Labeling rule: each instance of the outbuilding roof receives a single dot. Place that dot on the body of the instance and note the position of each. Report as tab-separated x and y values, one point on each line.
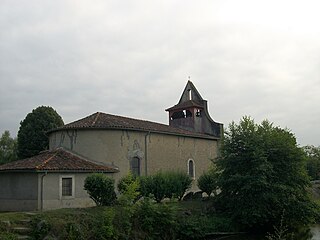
58	160
101	120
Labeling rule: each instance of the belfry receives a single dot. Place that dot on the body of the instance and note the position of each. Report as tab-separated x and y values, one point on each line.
191	113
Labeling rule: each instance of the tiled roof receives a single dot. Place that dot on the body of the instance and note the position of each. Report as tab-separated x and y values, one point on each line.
186	104
58	160
101	120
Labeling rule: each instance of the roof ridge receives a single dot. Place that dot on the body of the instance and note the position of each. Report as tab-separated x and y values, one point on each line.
96	118
101	120
46	161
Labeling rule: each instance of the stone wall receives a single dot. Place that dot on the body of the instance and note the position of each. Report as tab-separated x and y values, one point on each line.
156	151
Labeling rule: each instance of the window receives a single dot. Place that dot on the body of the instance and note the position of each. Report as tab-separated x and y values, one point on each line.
198	113
191	168
66	187
135	166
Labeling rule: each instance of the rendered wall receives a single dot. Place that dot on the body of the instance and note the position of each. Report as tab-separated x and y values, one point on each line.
52	198
18	191
118	147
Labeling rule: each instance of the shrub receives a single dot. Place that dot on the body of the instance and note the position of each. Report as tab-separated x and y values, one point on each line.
165	184
159	186
154	221
104	228
197	226
146	185
8	236
129	187
40	228
154	186
207	182
122	221
100	189
179	183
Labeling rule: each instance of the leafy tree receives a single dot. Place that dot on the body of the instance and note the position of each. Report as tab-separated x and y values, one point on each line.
263	176
129	187
208	181
169	184
8	148
313	161
177	183
100	189
159	187
146	185
32	137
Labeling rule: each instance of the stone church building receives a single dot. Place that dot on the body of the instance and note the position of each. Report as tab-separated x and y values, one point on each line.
114	145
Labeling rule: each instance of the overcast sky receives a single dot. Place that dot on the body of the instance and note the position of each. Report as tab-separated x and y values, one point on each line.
133	58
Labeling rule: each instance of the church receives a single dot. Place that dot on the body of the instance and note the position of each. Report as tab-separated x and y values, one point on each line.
113	145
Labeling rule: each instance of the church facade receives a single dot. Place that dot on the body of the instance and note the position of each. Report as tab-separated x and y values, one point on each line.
113	145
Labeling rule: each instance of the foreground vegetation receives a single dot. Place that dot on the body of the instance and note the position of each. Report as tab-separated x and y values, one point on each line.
142	220
263	178
258	183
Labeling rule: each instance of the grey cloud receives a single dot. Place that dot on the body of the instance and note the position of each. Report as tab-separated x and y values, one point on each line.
133	59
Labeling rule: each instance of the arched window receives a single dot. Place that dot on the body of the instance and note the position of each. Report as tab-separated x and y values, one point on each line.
191	168
135	166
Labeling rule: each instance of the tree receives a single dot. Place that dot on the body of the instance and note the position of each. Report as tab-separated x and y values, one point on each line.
313	161
129	188
8	148
207	182
169	184
177	183
32	137
100	189
263	176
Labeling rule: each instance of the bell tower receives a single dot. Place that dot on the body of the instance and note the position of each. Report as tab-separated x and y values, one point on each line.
191	113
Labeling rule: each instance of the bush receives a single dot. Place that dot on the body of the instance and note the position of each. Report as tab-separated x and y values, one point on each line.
154	221
100	189
40	228
165	185
8	236
154	186
159	186
207	182
129	188
146	185
104	228
177	183
197	226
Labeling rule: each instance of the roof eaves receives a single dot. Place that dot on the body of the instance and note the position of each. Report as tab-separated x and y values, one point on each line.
144	130
58	171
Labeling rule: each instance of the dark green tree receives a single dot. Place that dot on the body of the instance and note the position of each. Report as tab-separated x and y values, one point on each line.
32	138
313	161
263	176
168	184
100	189
8	148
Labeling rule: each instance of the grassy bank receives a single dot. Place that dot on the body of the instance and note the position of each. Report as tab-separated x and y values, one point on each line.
143	220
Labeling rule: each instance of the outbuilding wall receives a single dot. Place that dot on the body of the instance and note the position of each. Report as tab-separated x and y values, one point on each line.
18	191
52	198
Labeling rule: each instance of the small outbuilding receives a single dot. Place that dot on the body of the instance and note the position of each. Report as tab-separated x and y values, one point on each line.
53	179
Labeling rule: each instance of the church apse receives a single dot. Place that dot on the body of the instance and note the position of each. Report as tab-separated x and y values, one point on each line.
191	113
